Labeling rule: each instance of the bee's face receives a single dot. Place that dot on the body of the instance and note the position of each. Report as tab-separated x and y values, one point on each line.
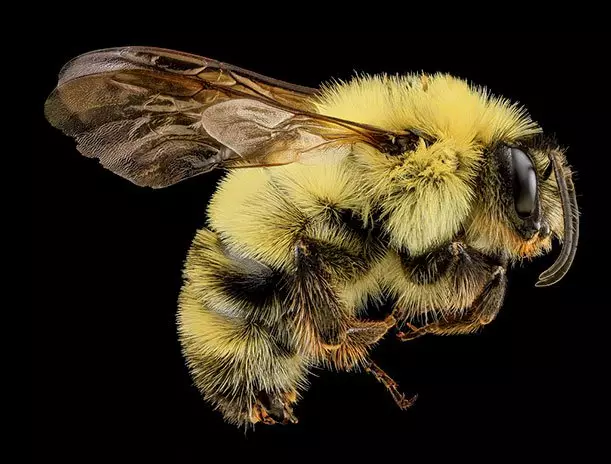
519	208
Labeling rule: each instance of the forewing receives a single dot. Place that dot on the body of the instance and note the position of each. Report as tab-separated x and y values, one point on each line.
157	117
139	110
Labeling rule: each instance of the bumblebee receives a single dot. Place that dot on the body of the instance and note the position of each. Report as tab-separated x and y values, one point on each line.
421	189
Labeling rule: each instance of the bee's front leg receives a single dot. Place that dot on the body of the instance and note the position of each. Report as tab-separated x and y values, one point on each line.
483	311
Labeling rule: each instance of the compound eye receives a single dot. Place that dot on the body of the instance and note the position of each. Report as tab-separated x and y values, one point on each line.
524	183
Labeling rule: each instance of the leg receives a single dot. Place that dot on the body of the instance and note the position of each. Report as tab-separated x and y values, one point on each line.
337	337
455	258
391	386
483	311
428	268
320	319
361	336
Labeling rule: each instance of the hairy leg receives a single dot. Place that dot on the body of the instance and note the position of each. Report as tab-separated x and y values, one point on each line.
340	339
483	311
361	336
393	388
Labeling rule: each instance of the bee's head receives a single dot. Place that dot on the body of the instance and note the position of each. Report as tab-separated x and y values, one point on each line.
526	198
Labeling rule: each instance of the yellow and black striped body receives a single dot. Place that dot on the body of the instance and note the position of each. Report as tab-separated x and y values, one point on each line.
274	286
281	278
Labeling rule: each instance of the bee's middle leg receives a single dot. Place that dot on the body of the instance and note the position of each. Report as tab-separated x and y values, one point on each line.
343	339
360	337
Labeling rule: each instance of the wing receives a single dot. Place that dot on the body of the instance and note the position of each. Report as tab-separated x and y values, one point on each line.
157	116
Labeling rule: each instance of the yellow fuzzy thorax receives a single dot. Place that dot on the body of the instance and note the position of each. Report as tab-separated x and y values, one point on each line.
426	195
438	105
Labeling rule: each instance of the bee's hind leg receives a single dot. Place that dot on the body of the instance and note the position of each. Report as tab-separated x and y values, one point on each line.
271	409
393	388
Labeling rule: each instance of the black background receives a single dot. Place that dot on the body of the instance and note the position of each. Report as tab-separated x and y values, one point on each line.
107	256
